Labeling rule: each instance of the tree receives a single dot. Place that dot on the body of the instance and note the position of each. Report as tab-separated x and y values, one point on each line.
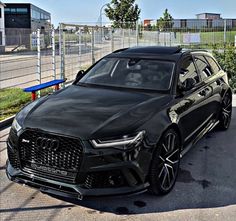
165	22
123	13
227	60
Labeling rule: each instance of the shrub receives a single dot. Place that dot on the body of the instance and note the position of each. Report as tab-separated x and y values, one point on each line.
227	59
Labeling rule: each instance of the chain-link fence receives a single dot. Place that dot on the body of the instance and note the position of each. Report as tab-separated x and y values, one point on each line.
32	58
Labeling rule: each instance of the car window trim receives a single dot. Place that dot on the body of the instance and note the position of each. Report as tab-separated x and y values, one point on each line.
214	61
198	70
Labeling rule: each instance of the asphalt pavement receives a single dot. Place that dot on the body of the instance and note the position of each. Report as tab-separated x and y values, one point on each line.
205	190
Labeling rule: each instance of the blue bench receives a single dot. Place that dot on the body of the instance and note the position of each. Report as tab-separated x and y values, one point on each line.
43	86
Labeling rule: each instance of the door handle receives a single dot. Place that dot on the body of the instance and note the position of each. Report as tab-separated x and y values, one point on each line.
202	93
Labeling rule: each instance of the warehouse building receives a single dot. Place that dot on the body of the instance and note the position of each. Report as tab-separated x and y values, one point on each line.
21	20
202	20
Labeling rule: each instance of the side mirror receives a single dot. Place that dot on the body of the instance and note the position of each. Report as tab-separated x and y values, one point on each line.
188	84
79	75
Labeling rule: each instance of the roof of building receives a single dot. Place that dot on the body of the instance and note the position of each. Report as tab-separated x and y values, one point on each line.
1	3
21	4
208	13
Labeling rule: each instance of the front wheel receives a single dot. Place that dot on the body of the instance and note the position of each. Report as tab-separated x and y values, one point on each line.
165	163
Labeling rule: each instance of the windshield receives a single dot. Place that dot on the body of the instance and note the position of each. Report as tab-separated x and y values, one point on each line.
131	73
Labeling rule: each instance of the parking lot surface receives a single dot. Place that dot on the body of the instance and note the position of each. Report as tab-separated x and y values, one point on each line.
205	190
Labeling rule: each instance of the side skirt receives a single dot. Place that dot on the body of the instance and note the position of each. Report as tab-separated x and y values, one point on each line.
207	129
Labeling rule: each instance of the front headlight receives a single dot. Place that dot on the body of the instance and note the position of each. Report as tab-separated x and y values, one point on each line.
124	142
16	126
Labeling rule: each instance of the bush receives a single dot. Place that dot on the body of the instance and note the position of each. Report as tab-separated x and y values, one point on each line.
227	60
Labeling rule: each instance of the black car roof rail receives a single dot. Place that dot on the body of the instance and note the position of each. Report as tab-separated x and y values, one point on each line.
151	50
120	50
195	50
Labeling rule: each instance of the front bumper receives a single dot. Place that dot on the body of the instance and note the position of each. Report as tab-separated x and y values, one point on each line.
64	189
101	172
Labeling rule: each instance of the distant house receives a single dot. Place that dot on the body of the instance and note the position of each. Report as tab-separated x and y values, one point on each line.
202	20
2	27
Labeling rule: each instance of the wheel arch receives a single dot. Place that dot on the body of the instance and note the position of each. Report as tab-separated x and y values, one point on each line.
177	130
175	127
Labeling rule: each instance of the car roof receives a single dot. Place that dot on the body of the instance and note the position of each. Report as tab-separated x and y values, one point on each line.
158	52
153	50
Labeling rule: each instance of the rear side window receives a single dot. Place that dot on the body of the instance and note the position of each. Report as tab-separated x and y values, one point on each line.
188	70
214	66
203	66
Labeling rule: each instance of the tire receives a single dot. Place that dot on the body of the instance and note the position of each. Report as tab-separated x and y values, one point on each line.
226	112
165	163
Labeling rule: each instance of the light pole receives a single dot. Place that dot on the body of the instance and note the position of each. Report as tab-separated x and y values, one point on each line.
100	16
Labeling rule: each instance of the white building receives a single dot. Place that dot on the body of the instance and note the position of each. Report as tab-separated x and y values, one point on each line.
2	27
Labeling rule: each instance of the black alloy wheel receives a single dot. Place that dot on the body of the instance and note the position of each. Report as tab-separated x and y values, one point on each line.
165	163
226	112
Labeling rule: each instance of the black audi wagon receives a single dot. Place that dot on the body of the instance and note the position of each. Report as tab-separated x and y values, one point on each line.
122	126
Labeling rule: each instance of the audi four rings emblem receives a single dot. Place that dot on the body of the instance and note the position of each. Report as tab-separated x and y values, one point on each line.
49	144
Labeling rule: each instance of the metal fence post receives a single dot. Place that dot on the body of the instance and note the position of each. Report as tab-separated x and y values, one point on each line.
62	51
80	46
129	36
38	59
112	40
53	54
225	24
137	34
92	47
123	37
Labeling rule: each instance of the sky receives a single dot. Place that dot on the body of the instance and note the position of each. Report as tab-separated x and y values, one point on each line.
81	11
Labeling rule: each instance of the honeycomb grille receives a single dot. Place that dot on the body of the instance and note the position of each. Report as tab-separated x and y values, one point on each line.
12	150
13	158
62	162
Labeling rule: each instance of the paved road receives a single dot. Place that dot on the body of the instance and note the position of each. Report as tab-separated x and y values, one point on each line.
205	190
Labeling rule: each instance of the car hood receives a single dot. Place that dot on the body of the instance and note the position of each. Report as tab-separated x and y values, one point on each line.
92	112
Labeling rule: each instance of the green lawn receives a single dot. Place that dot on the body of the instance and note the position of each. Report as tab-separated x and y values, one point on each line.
217	37
11	101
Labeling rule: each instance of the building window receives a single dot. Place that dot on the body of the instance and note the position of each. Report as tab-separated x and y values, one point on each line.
0	12
35	14
7	10
16	11
22	10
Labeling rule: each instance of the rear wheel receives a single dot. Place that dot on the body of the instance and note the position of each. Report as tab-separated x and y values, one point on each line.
226	112
165	164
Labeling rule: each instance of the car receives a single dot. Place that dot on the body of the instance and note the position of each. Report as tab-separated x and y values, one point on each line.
123	125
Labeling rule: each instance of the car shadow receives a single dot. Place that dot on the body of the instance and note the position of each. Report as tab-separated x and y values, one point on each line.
206	180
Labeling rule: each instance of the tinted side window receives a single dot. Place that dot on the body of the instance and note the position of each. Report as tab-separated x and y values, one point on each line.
214	66
203	66
188	70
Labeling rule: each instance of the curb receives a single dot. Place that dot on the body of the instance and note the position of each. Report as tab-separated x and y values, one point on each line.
7	122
